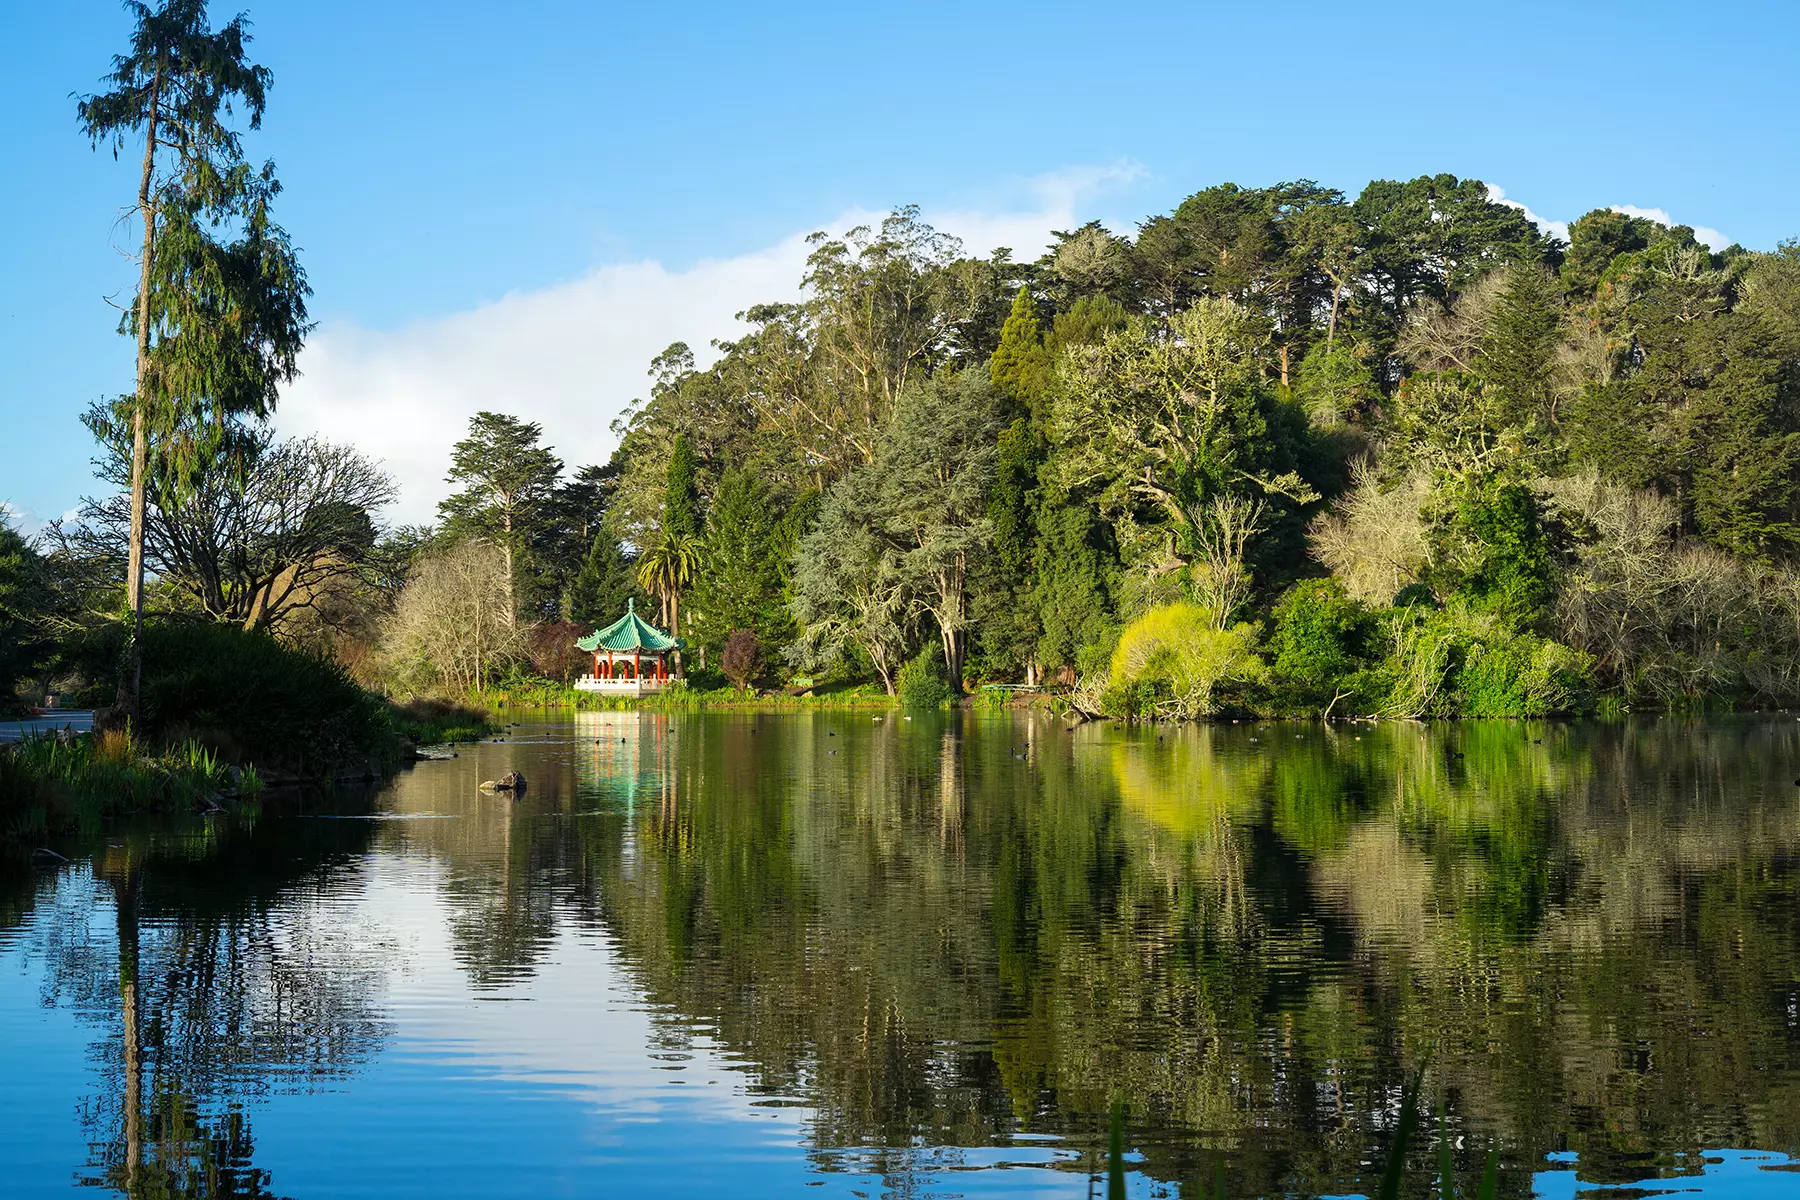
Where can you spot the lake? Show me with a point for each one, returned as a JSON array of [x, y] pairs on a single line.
[[842, 954]]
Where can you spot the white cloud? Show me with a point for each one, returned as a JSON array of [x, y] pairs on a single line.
[[573, 355], [26, 521], [1556, 229], [1560, 229], [1710, 237]]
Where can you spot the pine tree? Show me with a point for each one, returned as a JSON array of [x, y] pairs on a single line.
[[1022, 369], [1520, 348], [741, 575], [598, 593], [508, 494]]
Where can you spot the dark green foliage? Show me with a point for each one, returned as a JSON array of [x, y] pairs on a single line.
[[1320, 644], [681, 502], [1499, 551], [1133, 701], [1012, 501], [1022, 369], [1087, 322], [508, 495], [921, 683], [1073, 571], [1595, 240], [256, 700], [1431, 235], [1707, 416], [24, 605], [597, 595], [1520, 349], [742, 576], [1771, 293]]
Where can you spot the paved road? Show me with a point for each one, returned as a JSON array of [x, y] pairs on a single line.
[[80, 720]]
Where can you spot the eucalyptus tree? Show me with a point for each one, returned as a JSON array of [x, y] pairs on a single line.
[[220, 311], [1184, 428]]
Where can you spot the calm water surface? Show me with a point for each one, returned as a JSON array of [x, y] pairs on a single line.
[[769, 955]]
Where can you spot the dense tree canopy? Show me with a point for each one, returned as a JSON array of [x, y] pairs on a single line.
[[1527, 471]]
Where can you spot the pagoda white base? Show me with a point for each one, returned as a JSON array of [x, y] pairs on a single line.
[[622, 687]]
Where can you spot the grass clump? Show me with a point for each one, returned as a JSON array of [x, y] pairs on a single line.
[[438, 722], [49, 785]]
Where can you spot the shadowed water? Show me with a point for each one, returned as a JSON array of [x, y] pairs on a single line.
[[748, 955]]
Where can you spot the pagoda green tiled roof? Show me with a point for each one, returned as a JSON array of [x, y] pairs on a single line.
[[628, 634]]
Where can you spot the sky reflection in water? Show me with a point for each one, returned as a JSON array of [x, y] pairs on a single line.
[[789, 954]]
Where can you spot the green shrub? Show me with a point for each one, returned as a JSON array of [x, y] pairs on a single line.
[[1195, 669], [1320, 646], [253, 699], [1523, 675], [921, 682], [1134, 701], [1500, 550], [1456, 662]]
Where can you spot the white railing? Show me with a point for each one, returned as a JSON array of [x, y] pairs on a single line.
[[622, 687]]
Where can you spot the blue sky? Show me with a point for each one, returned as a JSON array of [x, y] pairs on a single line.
[[516, 205]]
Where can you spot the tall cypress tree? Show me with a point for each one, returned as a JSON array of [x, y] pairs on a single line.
[[681, 502], [1022, 368], [598, 593], [1520, 348]]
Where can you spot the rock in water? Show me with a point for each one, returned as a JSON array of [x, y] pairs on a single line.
[[512, 781]]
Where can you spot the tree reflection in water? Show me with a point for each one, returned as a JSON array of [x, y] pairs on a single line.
[[221, 988], [949, 937]]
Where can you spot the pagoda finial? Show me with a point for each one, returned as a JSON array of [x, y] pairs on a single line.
[[630, 605]]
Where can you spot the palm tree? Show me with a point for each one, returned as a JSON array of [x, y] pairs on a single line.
[[665, 569]]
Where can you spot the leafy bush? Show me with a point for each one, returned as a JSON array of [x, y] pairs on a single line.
[[741, 660], [1522, 675], [1320, 645], [1456, 662], [1500, 550], [921, 682], [1191, 668], [253, 699]]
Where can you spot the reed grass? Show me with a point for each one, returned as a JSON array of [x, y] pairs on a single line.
[[51, 785]]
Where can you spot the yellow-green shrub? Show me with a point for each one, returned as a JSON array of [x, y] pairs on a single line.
[[1173, 662]]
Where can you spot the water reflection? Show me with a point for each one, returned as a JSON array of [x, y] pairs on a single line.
[[925, 956]]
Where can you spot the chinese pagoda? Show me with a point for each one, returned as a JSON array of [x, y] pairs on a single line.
[[631, 656]]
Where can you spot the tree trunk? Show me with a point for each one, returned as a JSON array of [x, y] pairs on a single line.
[[506, 548], [125, 911], [131, 681]]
